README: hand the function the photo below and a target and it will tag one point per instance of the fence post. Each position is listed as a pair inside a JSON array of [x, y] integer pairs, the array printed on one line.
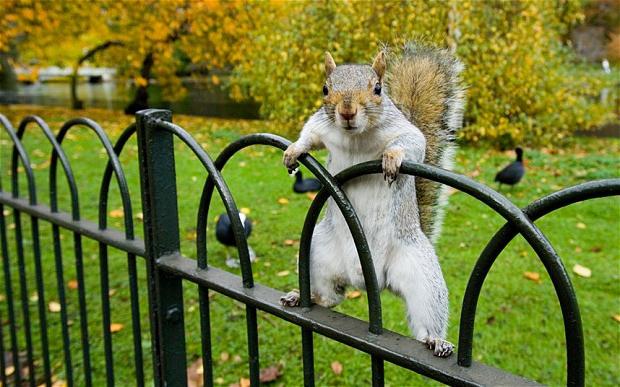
[[161, 237]]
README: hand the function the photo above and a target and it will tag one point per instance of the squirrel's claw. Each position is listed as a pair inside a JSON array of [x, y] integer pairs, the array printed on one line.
[[391, 164], [440, 348], [290, 158], [290, 299]]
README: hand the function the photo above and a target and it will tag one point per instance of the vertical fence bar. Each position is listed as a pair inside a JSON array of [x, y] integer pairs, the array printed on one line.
[[23, 285], [105, 317], [8, 288], [36, 249], [64, 319], [161, 237]]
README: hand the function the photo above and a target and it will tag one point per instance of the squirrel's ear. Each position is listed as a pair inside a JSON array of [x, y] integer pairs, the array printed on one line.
[[379, 64], [330, 65]]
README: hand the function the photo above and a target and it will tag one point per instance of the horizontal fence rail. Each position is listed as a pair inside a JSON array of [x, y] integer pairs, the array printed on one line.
[[167, 268]]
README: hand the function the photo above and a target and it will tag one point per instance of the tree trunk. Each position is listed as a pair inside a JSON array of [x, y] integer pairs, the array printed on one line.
[[8, 78], [76, 103], [141, 99]]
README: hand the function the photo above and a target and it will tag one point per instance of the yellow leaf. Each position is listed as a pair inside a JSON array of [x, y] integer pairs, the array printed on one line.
[[72, 284], [283, 201], [337, 367], [289, 242], [9, 370], [311, 195], [283, 273], [224, 356], [54, 307], [141, 82], [581, 225], [243, 382], [582, 271], [245, 210], [353, 294], [616, 317], [118, 213], [532, 276], [116, 327]]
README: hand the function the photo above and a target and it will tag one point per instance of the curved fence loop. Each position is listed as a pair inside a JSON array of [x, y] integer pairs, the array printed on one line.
[[105, 141], [105, 186], [225, 195], [554, 266], [332, 189], [536, 210], [19, 150]]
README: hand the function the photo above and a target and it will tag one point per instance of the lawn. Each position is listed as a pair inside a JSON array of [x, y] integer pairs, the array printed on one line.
[[518, 327]]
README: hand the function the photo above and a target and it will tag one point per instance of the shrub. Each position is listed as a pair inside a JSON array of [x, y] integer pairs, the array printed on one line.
[[522, 81]]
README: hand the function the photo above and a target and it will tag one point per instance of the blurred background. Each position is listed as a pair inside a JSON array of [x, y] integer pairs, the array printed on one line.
[[543, 75], [537, 71]]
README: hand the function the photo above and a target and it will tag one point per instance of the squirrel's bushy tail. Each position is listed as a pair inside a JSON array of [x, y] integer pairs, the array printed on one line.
[[424, 82]]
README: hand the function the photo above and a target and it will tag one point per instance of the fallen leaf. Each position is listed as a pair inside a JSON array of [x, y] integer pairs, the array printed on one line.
[[6, 212], [283, 273], [237, 359], [578, 249], [219, 381], [54, 307], [337, 367], [616, 317], [582, 271], [118, 213], [9, 370], [289, 242], [2, 297], [283, 201], [270, 374], [194, 374], [111, 292], [72, 284], [311, 195], [490, 320], [224, 356], [140, 216], [581, 225], [116, 327], [243, 382], [244, 210], [532, 276], [596, 249], [353, 294], [191, 235], [242, 164], [34, 297]]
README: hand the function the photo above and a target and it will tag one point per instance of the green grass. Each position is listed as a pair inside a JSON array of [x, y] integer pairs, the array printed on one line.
[[518, 327]]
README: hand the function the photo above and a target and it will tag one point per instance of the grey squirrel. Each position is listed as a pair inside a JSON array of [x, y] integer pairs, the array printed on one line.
[[411, 112]]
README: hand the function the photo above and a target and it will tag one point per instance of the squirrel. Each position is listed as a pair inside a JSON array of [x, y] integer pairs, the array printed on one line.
[[411, 112]]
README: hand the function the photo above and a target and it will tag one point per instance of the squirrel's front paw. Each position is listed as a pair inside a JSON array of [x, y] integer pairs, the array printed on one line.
[[392, 158], [291, 154]]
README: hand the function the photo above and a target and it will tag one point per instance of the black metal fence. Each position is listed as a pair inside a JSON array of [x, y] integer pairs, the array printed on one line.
[[166, 268]]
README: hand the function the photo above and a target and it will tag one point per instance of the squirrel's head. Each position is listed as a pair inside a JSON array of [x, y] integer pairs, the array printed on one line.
[[353, 94]]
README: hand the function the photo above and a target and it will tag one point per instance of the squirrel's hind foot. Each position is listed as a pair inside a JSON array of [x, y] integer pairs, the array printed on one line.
[[291, 298], [440, 347]]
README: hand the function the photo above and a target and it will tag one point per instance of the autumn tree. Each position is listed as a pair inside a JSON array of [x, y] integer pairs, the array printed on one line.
[[522, 81]]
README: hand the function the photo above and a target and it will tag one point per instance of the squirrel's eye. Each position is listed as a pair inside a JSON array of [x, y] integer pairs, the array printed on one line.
[[377, 89], [325, 90]]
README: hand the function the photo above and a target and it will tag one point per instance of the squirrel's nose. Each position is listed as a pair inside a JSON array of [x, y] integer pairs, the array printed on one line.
[[348, 115]]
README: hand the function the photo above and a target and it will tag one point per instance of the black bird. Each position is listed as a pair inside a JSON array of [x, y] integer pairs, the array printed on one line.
[[225, 235], [305, 185], [513, 172]]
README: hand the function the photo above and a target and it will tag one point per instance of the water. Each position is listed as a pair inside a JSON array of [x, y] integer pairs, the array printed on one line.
[[116, 95]]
